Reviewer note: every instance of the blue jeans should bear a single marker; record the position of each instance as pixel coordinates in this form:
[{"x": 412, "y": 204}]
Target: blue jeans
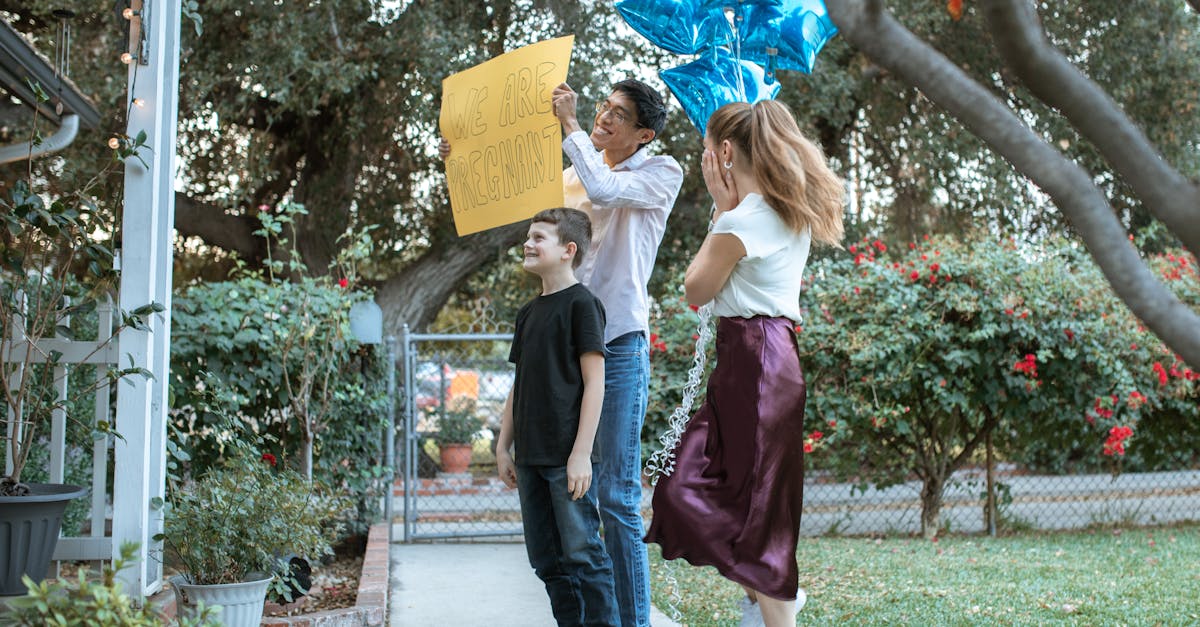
[
  {"x": 619, "y": 476},
  {"x": 562, "y": 538}
]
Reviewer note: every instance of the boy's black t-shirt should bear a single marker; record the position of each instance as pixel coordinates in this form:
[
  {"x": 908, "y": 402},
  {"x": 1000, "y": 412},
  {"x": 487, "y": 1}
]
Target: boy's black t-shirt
[{"x": 552, "y": 333}]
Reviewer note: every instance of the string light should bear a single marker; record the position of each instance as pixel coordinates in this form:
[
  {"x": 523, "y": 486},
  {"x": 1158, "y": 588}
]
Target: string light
[
  {"x": 127, "y": 58},
  {"x": 114, "y": 143},
  {"x": 138, "y": 102},
  {"x": 129, "y": 14}
]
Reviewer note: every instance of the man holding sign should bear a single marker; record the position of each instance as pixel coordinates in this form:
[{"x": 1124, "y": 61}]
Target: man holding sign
[{"x": 628, "y": 194}]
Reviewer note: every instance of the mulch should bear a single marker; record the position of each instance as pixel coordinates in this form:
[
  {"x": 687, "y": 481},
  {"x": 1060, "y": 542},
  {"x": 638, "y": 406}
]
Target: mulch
[{"x": 334, "y": 586}]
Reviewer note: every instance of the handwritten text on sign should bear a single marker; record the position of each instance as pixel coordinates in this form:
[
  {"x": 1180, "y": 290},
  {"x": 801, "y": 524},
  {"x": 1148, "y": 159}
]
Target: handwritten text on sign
[{"x": 505, "y": 160}]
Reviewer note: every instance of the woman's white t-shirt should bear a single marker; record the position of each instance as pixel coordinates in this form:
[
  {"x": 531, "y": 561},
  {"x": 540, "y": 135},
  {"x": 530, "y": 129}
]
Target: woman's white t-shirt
[{"x": 766, "y": 282}]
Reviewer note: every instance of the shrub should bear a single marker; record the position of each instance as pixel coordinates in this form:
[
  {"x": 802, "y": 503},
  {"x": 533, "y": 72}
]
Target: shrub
[
  {"x": 914, "y": 357},
  {"x": 243, "y": 517},
  {"x": 82, "y": 601},
  {"x": 275, "y": 354}
]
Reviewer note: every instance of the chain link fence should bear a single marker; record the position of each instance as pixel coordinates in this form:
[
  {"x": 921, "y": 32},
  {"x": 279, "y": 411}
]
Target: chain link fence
[{"x": 442, "y": 374}]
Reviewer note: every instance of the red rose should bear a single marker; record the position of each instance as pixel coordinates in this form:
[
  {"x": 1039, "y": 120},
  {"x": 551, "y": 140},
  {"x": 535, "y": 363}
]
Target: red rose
[{"x": 955, "y": 9}]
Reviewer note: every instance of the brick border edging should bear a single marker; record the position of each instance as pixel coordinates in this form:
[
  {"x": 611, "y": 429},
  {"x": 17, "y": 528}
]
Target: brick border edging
[{"x": 370, "y": 607}]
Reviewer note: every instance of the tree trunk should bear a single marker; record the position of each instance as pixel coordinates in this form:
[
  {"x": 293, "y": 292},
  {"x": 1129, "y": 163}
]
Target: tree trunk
[
  {"x": 416, "y": 295},
  {"x": 306, "y": 455},
  {"x": 931, "y": 504},
  {"x": 989, "y": 507}
]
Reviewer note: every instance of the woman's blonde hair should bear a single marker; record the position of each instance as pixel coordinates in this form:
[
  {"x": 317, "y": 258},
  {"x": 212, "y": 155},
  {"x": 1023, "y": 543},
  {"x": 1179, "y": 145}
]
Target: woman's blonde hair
[{"x": 791, "y": 170}]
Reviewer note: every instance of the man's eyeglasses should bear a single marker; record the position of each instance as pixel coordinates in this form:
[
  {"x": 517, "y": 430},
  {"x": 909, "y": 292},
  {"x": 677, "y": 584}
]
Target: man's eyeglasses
[{"x": 603, "y": 107}]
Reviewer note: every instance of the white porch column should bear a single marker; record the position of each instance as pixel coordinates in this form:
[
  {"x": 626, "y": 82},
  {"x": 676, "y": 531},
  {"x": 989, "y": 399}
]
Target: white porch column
[{"x": 146, "y": 252}]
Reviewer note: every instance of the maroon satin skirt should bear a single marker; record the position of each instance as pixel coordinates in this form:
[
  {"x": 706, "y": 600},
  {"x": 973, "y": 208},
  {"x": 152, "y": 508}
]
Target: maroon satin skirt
[{"x": 735, "y": 497}]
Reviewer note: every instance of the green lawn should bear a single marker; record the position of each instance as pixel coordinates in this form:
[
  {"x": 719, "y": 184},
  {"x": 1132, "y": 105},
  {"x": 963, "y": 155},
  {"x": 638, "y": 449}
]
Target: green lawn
[{"x": 1100, "y": 577}]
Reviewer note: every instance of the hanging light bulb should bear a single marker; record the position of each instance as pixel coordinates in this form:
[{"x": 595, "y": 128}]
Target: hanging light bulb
[
  {"x": 129, "y": 14},
  {"x": 114, "y": 143},
  {"x": 126, "y": 58},
  {"x": 139, "y": 103}
]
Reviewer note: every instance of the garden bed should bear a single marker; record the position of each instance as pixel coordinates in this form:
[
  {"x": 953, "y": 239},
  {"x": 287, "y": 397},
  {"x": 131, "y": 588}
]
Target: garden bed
[{"x": 353, "y": 591}]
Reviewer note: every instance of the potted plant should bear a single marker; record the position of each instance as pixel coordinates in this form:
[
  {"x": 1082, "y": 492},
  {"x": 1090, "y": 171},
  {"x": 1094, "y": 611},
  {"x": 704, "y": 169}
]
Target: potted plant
[
  {"x": 86, "y": 600},
  {"x": 233, "y": 529},
  {"x": 458, "y": 427},
  {"x": 54, "y": 270}
]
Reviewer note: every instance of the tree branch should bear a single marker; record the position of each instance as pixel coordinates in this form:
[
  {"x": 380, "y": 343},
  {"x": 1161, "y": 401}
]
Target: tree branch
[
  {"x": 1056, "y": 81},
  {"x": 990, "y": 420},
  {"x": 416, "y": 295},
  {"x": 875, "y": 32},
  {"x": 218, "y": 228}
]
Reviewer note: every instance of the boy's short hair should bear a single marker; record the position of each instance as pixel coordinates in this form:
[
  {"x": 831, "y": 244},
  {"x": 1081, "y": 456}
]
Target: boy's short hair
[
  {"x": 651, "y": 110},
  {"x": 573, "y": 226}
]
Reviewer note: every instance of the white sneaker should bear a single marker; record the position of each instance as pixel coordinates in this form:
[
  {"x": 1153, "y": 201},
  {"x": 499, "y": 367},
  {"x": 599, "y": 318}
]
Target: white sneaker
[
  {"x": 801, "y": 599},
  {"x": 751, "y": 613}
]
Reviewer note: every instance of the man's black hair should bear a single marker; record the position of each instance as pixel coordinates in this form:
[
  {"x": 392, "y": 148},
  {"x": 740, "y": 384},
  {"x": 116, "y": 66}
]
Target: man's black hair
[{"x": 651, "y": 110}]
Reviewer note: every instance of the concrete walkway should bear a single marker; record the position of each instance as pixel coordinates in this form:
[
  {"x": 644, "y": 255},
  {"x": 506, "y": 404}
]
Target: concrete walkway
[{"x": 468, "y": 584}]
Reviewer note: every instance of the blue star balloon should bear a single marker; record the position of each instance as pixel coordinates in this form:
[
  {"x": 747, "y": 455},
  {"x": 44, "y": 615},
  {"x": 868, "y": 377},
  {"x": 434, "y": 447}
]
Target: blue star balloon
[
  {"x": 733, "y": 4},
  {"x": 680, "y": 26},
  {"x": 736, "y": 39},
  {"x": 787, "y": 36},
  {"x": 712, "y": 81}
]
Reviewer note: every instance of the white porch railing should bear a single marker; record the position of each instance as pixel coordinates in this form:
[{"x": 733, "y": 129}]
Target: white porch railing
[{"x": 100, "y": 353}]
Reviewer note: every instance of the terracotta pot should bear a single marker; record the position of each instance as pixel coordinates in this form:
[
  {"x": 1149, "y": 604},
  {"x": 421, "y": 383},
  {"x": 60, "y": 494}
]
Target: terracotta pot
[{"x": 455, "y": 458}]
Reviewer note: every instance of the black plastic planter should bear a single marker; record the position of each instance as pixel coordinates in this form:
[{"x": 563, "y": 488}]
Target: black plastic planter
[{"x": 29, "y": 527}]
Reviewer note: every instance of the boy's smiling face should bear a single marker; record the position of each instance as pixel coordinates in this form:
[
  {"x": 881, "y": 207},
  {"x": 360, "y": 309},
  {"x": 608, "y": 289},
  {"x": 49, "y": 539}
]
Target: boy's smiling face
[{"x": 543, "y": 249}]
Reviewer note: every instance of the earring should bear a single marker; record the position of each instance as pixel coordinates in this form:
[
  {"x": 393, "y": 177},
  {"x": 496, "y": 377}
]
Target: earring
[{"x": 728, "y": 165}]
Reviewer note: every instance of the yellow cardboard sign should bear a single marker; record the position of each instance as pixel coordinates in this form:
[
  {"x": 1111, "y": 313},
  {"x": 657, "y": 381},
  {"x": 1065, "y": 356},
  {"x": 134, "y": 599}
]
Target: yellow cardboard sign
[{"x": 505, "y": 161}]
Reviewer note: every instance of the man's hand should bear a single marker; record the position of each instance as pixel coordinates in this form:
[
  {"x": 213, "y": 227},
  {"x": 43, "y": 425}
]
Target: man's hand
[
  {"x": 579, "y": 474},
  {"x": 444, "y": 149},
  {"x": 505, "y": 468},
  {"x": 565, "y": 101}
]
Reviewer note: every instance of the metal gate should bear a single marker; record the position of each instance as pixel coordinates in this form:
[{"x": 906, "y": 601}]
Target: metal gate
[{"x": 447, "y": 377}]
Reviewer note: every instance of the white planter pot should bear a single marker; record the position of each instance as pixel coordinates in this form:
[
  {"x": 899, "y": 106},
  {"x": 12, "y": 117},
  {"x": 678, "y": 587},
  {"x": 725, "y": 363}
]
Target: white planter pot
[{"x": 241, "y": 603}]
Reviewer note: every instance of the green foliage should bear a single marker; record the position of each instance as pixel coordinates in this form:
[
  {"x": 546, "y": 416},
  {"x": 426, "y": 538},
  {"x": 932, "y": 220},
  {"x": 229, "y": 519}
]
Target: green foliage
[
  {"x": 87, "y": 602},
  {"x": 56, "y": 264},
  {"x": 243, "y": 517},
  {"x": 275, "y": 354},
  {"x": 913, "y": 357}
]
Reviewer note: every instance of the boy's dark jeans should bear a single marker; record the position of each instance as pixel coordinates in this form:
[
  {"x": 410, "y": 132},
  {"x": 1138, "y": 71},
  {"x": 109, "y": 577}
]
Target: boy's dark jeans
[{"x": 562, "y": 538}]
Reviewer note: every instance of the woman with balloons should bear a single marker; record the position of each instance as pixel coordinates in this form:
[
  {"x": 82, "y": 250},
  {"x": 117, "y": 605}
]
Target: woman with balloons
[{"x": 734, "y": 498}]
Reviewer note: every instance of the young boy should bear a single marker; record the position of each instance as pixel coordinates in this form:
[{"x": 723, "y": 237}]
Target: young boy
[{"x": 551, "y": 416}]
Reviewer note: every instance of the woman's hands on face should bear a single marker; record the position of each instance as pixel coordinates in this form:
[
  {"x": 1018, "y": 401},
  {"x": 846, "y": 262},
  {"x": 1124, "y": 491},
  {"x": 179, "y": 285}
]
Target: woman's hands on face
[{"x": 719, "y": 182}]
